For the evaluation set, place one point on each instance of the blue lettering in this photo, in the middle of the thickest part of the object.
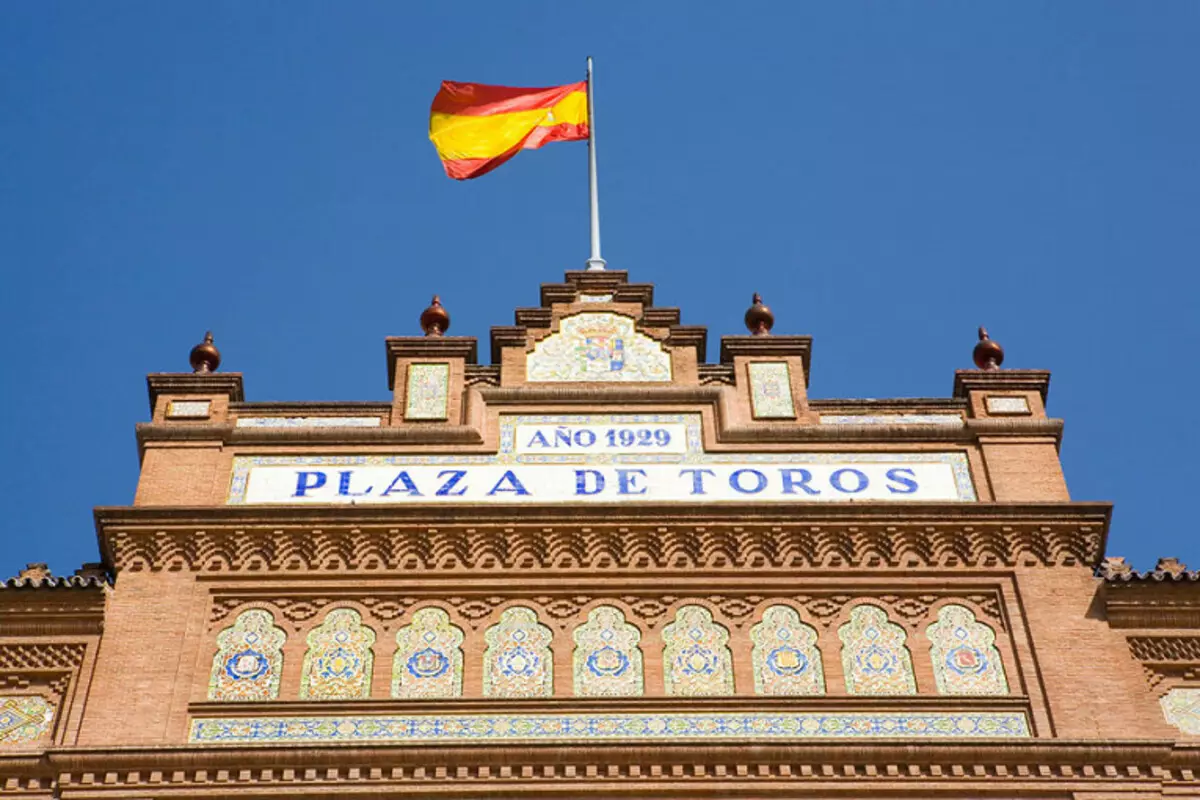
(585, 438)
(308, 480)
(538, 440)
(697, 478)
(514, 485)
(562, 436)
(908, 482)
(860, 478)
(626, 481)
(456, 475)
(791, 484)
(760, 481)
(344, 485)
(406, 486)
(581, 481)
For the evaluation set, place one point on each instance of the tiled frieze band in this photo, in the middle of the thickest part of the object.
(634, 727)
(308, 422)
(892, 419)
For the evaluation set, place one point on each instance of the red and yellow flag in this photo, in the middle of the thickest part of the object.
(476, 127)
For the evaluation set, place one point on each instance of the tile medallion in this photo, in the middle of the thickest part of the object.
(338, 663)
(429, 658)
(608, 660)
(785, 656)
(249, 659)
(1008, 404)
(771, 390)
(24, 718)
(965, 658)
(874, 657)
(518, 661)
(597, 346)
(189, 409)
(308, 422)
(589, 727)
(427, 392)
(1181, 708)
(696, 658)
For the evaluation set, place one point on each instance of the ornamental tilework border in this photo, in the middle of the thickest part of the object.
(771, 390)
(785, 656)
(337, 665)
(427, 392)
(1181, 708)
(696, 658)
(965, 658)
(429, 657)
(607, 659)
(249, 659)
(24, 718)
(597, 346)
(590, 727)
(875, 659)
(518, 661)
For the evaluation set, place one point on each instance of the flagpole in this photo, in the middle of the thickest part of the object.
(595, 263)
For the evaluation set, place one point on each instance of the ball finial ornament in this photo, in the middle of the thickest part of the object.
(759, 319)
(205, 357)
(989, 355)
(435, 320)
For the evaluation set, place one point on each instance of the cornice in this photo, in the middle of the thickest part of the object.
(652, 538)
(776, 346)
(464, 347)
(1032, 380)
(222, 383)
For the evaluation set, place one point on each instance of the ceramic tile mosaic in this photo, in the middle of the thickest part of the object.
(954, 420)
(965, 658)
(957, 477)
(338, 663)
(1181, 708)
(771, 390)
(785, 656)
(780, 726)
(874, 658)
(429, 658)
(595, 298)
(24, 718)
(1012, 404)
(696, 658)
(427, 392)
(189, 409)
(249, 659)
(597, 346)
(308, 422)
(607, 659)
(518, 661)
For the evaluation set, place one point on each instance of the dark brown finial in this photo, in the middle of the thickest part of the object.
(205, 357)
(989, 355)
(759, 319)
(435, 320)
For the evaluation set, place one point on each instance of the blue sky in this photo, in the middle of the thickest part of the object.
(888, 175)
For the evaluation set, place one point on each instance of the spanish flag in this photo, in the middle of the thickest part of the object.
(476, 127)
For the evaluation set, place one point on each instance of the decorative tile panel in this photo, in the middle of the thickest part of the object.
(429, 658)
(874, 658)
(1181, 708)
(785, 657)
(965, 658)
(608, 661)
(953, 420)
(189, 409)
(696, 658)
(771, 390)
(24, 719)
(427, 393)
(595, 298)
(249, 659)
(338, 663)
(518, 662)
(590, 727)
(1011, 404)
(307, 422)
(597, 346)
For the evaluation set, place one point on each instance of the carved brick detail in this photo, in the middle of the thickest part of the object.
(1165, 648)
(39, 656)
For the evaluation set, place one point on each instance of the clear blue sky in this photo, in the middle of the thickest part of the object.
(888, 175)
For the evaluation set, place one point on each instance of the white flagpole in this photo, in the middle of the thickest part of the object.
(595, 263)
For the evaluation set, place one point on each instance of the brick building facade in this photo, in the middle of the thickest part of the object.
(599, 566)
